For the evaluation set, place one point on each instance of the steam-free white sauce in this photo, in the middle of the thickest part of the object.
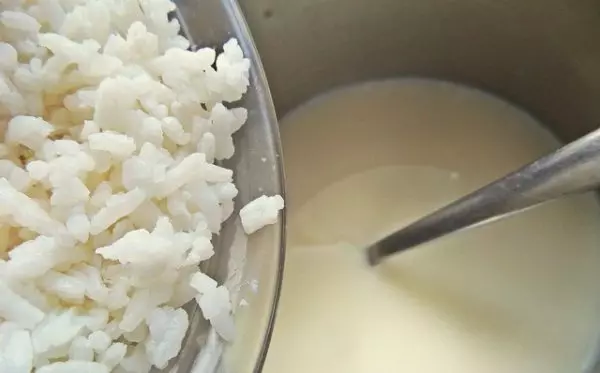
(521, 295)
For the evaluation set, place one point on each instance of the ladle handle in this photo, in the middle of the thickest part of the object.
(571, 169)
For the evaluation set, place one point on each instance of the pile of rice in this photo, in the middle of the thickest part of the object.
(109, 191)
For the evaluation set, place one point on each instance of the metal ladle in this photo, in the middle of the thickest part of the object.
(574, 168)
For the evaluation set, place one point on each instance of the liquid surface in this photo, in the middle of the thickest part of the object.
(521, 295)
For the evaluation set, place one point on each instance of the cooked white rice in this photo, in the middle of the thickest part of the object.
(109, 194)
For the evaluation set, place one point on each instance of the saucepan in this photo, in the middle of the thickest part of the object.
(543, 55)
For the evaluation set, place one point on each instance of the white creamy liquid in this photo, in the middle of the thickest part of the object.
(521, 295)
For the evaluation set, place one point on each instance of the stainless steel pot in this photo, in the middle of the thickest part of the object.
(543, 55)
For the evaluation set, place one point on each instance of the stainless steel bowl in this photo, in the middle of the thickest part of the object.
(543, 55)
(258, 170)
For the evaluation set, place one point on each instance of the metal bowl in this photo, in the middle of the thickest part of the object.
(258, 170)
(543, 55)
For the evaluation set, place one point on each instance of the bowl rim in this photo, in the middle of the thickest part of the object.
(213, 22)
(259, 83)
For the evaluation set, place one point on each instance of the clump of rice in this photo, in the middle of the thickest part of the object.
(260, 212)
(109, 191)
